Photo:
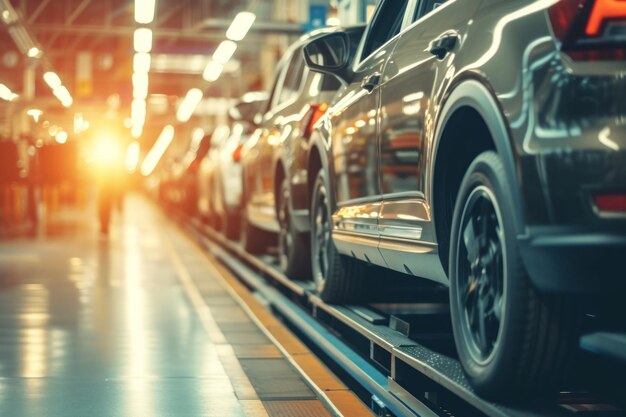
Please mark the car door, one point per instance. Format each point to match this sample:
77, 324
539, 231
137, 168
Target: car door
415, 79
354, 119
261, 211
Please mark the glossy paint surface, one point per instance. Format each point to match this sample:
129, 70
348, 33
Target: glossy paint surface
558, 123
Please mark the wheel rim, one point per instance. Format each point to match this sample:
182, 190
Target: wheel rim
321, 241
285, 237
480, 274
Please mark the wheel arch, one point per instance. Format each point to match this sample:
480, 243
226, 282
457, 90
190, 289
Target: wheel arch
469, 107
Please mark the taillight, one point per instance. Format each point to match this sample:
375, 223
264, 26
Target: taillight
591, 30
610, 203
237, 153
603, 11
311, 116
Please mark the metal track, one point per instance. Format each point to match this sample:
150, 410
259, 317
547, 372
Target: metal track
403, 376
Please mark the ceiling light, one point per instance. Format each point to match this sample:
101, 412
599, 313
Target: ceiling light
144, 11
136, 131
35, 114
52, 79
141, 62
132, 156
61, 137
34, 52
212, 71
224, 51
156, 153
240, 26
6, 93
189, 104
143, 40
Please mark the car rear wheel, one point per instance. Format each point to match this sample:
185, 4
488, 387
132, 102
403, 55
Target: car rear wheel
293, 251
512, 341
338, 278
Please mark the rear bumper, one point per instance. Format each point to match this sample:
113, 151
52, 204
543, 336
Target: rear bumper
562, 259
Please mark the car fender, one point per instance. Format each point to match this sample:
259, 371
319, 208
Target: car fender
474, 93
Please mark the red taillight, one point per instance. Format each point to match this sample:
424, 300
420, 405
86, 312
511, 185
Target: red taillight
582, 28
610, 203
602, 11
312, 115
237, 153
562, 16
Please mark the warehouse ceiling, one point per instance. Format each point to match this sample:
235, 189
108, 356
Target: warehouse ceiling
89, 44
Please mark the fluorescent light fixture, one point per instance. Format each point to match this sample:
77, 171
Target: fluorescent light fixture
140, 80
196, 136
143, 40
141, 62
52, 79
188, 105
132, 156
6, 93
33, 52
63, 95
224, 51
136, 131
156, 153
8, 13
240, 26
212, 71
140, 91
144, 11
138, 110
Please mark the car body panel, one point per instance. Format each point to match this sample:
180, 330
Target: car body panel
559, 126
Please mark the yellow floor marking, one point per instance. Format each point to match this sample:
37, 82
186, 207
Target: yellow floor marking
340, 400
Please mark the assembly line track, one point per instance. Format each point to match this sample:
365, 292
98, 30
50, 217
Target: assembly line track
403, 376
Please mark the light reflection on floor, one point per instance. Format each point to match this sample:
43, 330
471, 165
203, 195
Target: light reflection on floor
93, 326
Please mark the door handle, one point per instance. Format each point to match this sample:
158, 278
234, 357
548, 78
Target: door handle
443, 44
371, 81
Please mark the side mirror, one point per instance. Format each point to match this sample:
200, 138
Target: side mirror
330, 54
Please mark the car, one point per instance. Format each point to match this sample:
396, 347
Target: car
480, 145
178, 175
219, 176
275, 160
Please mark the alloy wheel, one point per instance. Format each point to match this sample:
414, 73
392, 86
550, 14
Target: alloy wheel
480, 269
322, 238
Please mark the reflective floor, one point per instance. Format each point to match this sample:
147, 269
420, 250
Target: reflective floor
94, 326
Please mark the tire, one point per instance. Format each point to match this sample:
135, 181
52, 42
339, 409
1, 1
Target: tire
338, 278
293, 247
512, 341
254, 240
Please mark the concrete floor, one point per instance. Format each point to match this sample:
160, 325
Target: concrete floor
102, 326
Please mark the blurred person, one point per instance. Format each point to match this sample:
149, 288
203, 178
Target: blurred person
108, 163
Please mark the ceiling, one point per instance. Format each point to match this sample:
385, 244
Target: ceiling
88, 43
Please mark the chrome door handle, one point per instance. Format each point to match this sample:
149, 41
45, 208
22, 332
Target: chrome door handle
371, 81
443, 44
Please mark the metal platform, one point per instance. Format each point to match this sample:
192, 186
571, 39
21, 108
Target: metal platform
402, 354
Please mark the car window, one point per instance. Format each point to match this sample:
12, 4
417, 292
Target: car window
386, 24
274, 92
426, 7
293, 78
